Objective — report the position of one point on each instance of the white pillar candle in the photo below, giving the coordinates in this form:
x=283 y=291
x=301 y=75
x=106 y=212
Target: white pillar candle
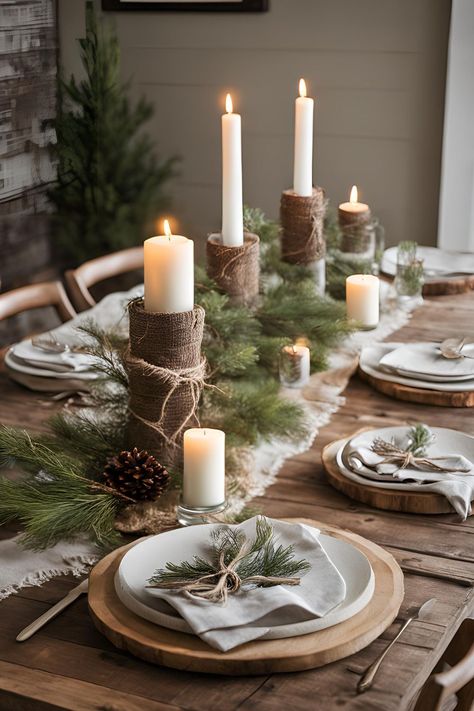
x=232 y=210
x=303 y=158
x=294 y=366
x=169 y=273
x=204 y=467
x=362 y=299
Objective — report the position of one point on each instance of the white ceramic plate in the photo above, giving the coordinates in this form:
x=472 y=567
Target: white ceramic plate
x=445 y=442
x=143 y=559
x=438 y=263
x=457 y=441
x=426 y=361
x=14 y=364
x=369 y=363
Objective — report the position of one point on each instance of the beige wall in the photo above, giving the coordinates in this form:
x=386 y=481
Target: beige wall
x=376 y=67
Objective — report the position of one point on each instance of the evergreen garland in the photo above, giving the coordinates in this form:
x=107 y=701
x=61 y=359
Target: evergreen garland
x=61 y=494
x=109 y=182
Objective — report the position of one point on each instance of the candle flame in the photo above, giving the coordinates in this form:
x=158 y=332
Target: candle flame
x=167 y=228
x=228 y=104
x=354 y=194
x=302 y=87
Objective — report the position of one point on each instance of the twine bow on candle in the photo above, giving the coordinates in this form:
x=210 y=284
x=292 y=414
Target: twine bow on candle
x=407 y=457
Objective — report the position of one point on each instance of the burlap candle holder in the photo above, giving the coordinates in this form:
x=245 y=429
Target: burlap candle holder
x=356 y=231
x=302 y=225
x=236 y=270
x=166 y=375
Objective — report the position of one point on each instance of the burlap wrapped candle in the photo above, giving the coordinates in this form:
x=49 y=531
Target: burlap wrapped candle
x=302 y=225
x=166 y=375
x=357 y=234
x=236 y=270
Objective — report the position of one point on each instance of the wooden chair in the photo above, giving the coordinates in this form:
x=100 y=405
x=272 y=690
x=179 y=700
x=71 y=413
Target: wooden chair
x=35 y=296
x=90 y=273
x=458 y=681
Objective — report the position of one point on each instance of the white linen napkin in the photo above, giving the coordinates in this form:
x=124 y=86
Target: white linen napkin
x=250 y=613
x=457 y=486
x=426 y=359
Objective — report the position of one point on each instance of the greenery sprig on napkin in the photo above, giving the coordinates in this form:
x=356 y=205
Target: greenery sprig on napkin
x=234 y=561
x=414 y=454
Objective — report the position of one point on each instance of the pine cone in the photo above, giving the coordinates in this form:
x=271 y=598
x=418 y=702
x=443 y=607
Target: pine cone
x=137 y=475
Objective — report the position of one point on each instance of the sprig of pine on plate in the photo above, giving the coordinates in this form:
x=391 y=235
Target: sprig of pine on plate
x=233 y=562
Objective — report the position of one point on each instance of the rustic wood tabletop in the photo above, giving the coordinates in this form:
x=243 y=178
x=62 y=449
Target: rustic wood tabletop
x=68 y=664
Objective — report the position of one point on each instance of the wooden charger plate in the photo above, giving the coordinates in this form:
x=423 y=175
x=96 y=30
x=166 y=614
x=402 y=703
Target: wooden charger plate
x=446 y=287
x=387 y=499
x=182 y=651
x=441 y=398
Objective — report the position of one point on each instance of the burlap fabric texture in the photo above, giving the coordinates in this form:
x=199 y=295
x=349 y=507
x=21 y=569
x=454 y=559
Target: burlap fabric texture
x=356 y=231
x=236 y=270
x=166 y=376
x=302 y=227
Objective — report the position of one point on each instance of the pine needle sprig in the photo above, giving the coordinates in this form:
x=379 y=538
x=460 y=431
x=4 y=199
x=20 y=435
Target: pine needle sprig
x=233 y=561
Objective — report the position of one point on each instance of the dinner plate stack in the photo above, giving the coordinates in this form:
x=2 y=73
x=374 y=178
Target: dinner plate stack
x=437 y=263
x=419 y=365
x=339 y=584
x=52 y=366
x=444 y=467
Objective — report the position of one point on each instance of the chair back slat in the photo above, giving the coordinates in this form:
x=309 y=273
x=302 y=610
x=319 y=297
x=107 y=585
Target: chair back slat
x=96 y=270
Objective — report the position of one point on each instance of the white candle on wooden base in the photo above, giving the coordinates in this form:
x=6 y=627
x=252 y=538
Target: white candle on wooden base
x=362 y=299
x=204 y=467
x=232 y=204
x=303 y=157
x=169 y=273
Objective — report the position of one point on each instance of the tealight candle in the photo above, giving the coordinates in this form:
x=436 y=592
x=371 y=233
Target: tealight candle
x=362 y=299
x=169 y=273
x=204 y=468
x=294 y=366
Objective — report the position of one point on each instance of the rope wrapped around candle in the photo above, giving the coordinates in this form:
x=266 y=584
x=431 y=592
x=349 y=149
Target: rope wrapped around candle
x=356 y=231
x=236 y=270
x=302 y=222
x=166 y=374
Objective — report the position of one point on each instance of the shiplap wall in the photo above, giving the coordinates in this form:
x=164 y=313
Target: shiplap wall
x=377 y=69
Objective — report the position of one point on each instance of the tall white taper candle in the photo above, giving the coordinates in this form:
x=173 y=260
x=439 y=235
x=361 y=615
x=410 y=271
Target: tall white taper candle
x=303 y=158
x=232 y=210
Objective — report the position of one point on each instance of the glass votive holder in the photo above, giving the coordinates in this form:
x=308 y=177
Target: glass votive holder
x=409 y=279
x=294 y=366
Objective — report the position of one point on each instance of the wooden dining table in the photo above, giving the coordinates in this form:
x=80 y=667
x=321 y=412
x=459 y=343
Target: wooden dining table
x=68 y=664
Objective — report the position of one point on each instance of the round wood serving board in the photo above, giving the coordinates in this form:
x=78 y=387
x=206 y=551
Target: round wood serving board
x=446 y=287
x=387 y=499
x=422 y=396
x=182 y=651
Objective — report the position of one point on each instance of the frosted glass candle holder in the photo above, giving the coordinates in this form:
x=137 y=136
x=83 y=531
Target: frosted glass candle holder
x=294 y=366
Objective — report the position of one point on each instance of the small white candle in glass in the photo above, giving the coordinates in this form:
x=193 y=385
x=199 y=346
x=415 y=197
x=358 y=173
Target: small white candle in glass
x=303 y=156
x=169 y=273
x=232 y=204
x=294 y=366
x=362 y=299
x=204 y=468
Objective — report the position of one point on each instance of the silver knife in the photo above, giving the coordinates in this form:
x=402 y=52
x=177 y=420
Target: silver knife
x=416 y=613
x=53 y=611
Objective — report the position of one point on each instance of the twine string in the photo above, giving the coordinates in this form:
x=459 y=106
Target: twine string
x=395 y=455
x=217 y=586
